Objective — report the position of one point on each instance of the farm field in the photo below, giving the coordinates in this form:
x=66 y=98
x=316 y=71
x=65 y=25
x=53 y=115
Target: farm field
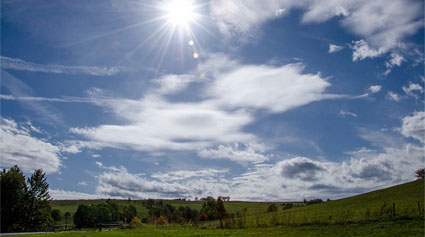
x=397 y=210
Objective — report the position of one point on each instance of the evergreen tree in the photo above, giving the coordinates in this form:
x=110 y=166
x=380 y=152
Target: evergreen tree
x=13 y=203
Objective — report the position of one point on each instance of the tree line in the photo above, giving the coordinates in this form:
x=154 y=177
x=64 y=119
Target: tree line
x=161 y=213
x=95 y=215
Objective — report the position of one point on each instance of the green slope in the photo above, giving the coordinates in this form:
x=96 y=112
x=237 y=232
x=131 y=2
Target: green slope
x=406 y=198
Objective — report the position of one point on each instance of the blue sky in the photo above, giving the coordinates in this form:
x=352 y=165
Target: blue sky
x=281 y=100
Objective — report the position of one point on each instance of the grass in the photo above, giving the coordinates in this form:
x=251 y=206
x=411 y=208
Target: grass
x=412 y=227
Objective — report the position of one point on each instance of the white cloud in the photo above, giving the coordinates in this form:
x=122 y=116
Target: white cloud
x=375 y=89
x=7 y=97
x=21 y=65
x=157 y=124
x=276 y=89
x=334 y=48
x=413 y=87
x=347 y=113
x=361 y=50
x=414 y=126
x=240 y=18
x=121 y=183
x=60 y=194
x=82 y=183
x=395 y=60
x=393 y=96
x=95 y=156
x=170 y=84
x=226 y=102
x=19 y=147
x=187 y=174
x=383 y=24
x=291 y=179
x=241 y=153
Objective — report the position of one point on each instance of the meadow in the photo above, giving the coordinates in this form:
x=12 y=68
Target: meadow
x=396 y=211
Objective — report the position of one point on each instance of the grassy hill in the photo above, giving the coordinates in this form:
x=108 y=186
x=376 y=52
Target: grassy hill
x=404 y=200
x=369 y=206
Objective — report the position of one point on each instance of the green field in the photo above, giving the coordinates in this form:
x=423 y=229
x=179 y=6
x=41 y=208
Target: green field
x=412 y=227
x=395 y=211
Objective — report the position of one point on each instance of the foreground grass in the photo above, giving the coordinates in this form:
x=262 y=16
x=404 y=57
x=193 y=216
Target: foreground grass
x=412 y=227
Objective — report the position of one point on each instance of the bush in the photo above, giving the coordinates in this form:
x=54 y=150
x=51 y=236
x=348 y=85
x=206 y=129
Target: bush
x=56 y=215
x=287 y=206
x=162 y=221
x=135 y=221
x=272 y=208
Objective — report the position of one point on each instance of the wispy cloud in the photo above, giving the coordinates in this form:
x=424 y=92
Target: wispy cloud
x=394 y=96
x=395 y=60
x=371 y=90
x=414 y=90
x=347 y=113
x=335 y=48
x=21 y=65
x=18 y=89
x=241 y=153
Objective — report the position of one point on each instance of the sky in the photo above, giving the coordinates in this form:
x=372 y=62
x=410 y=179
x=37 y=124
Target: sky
x=261 y=101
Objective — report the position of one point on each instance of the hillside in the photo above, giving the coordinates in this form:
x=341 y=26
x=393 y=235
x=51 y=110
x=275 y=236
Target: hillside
x=407 y=199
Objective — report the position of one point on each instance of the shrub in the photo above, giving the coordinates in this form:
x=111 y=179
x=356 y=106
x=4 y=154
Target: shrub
x=162 y=221
x=272 y=208
x=135 y=221
x=56 y=215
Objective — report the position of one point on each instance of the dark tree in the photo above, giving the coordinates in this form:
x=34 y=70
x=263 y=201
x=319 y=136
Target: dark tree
x=25 y=204
x=38 y=200
x=221 y=211
x=56 y=215
x=420 y=173
x=13 y=200
x=84 y=217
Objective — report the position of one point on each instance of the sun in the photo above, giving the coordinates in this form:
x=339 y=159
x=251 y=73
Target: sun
x=180 y=12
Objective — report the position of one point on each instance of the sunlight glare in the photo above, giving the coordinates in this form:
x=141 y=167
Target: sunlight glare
x=180 y=12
